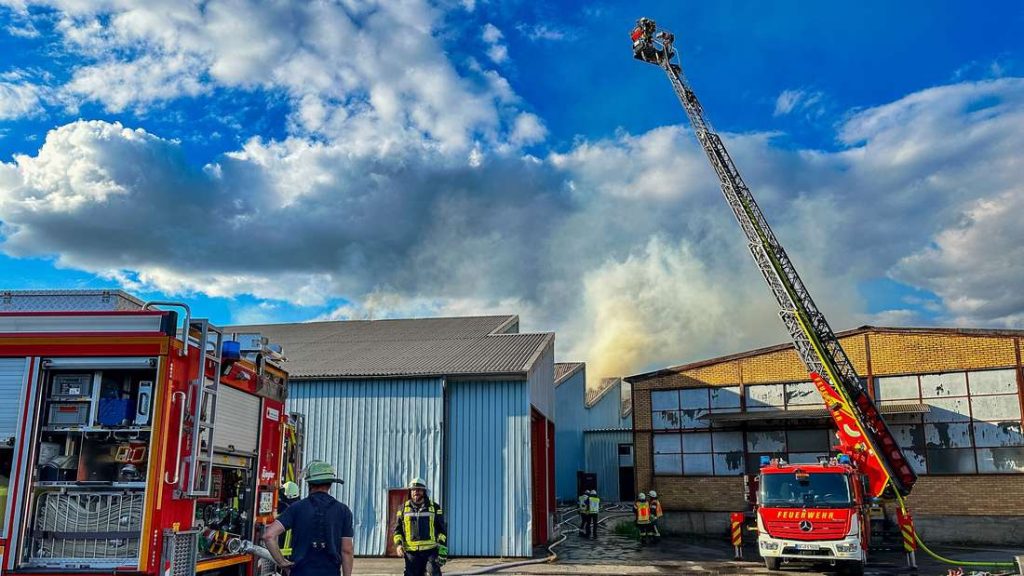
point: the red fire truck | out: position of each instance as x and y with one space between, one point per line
134 439
813 512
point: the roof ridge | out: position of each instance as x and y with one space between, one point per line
608 384
575 367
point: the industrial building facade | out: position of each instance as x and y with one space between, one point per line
953 398
465 403
593 436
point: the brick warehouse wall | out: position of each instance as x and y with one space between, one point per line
873 353
984 495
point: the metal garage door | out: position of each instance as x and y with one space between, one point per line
238 420
12 376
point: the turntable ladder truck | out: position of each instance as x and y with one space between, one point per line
821 524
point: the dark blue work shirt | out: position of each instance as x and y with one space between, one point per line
318 523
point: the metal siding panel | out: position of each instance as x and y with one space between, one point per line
602 456
569 426
488 469
238 420
378 433
12 378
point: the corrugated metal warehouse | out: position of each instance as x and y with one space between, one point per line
952 397
594 435
466 403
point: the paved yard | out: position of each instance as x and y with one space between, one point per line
612 554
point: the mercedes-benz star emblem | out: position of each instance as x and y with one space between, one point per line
806 526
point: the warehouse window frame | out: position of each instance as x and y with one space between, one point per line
969 422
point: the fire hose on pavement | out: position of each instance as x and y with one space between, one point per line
927 550
552 555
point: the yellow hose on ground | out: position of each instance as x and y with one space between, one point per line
903 507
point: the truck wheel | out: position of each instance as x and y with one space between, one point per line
854 569
772 563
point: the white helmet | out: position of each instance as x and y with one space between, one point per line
652 494
642 497
418 482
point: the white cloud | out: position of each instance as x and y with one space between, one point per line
622 243
326 58
497 51
806 101
21 95
491 34
976 266
546 32
528 129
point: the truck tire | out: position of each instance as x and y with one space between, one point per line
854 569
772 563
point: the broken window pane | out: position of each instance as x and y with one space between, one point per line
1001 460
725 399
909 437
993 382
916 459
765 397
766 441
947 410
951 461
802 394
729 463
948 435
665 420
942 385
997 434
693 418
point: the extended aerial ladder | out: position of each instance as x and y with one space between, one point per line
861 429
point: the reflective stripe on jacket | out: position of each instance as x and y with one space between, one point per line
643 513
420 527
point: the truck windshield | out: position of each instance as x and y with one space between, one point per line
811 490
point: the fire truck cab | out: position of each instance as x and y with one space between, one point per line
812 513
134 439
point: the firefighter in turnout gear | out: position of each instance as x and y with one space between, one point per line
656 512
642 510
583 507
593 509
420 533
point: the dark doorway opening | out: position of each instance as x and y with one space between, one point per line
627 482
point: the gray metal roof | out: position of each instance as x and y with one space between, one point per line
473 345
563 370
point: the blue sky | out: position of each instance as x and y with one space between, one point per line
296 161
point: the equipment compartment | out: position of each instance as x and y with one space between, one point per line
89 475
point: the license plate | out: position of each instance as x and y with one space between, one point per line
807 547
